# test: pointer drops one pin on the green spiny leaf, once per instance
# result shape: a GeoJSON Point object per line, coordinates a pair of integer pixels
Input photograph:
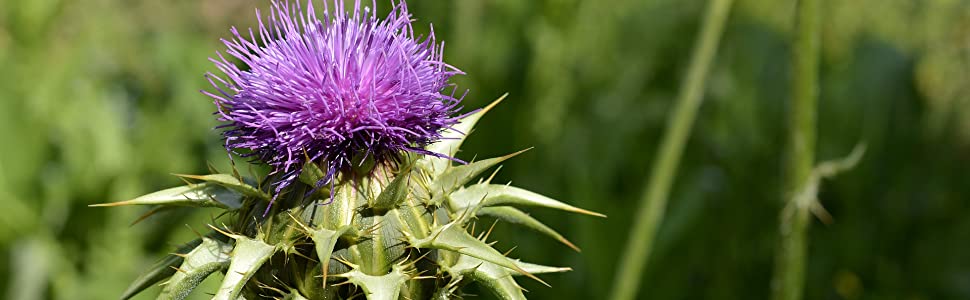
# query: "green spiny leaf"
{"type": "Point", "coordinates": [494, 277]}
{"type": "Point", "coordinates": [160, 270]}
{"type": "Point", "coordinates": [496, 194]}
{"type": "Point", "coordinates": [338, 212]}
{"type": "Point", "coordinates": [394, 193]}
{"type": "Point", "coordinates": [382, 287]}
{"type": "Point", "coordinates": [212, 255]}
{"type": "Point", "coordinates": [451, 141]}
{"type": "Point", "coordinates": [247, 257]}
{"type": "Point", "coordinates": [378, 251]}
{"type": "Point", "coordinates": [453, 238]}
{"type": "Point", "coordinates": [231, 182]}
{"type": "Point", "coordinates": [408, 218]}
{"type": "Point", "coordinates": [518, 217]}
{"type": "Point", "coordinates": [540, 269]}
{"type": "Point", "coordinates": [455, 177]}
{"type": "Point", "coordinates": [325, 240]}
{"type": "Point", "coordinates": [195, 195]}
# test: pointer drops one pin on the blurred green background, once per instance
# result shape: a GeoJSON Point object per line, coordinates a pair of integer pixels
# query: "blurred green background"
{"type": "Point", "coordinates": [99, 102]}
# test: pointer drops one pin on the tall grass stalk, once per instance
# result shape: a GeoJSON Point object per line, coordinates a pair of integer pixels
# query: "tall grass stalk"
{"type": "Point", "coordinates": [654, 202]}
{"type": "Point", "coordinates": [788, 280]}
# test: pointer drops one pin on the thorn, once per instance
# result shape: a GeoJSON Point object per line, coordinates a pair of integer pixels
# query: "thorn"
{"type": "Point", "coordinates": [111, 204]}
{"type": "Point", "coordinates": [305, 228]}
{"type": "Point", "coordinates": [297, 253]}
{"type": "Point", "coordinates": [477, 266]}
{"type": "Point", "coordinates": [465, 213]}
{"type": "Point", "coordinates": [423, 256]}
{"type": "Point", "coordinates": [235, 172]}
{"type": "Point", "coordinates": [570, 245]}
{"type": "Point", "coordinates": [494, 103]}
{"type": "Point", "coordinates": [234, 236]}
{"type": "Point", "coordinates": [211, 167]}
{"type": "Point", "coordinates": [373, 228]}
{"type": "Point", "coordinates": [268, 287]}
{"type": "Point", "coordinates": [490, 230]}
{"type": "Point", "coordinates": [197, 234]}
{"type": "Point", "coordinates": [435, 237]}
{"type": "Point", "coordinates": [343, 261]}
{"type": "Point", "coordinates": [490, 177]}
{"type": "Point", "coordinates": [346, 282]}
{"type": "Point", "coordinates": [527, 274]}
{"type": "Point", "coordinates": [148, 214]}
{"type": "Point", "coordinates": [510, 251]}
{"type": "Point", "coordinates": [186, 181]}
{"type": "Point", "coordinates": [184, 176]}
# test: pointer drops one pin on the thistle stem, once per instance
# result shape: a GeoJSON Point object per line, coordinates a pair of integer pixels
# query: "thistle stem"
{"type": "Point", "coordinates": [788, 280]}
{"type": "Point", "coordinates": [654, 202]}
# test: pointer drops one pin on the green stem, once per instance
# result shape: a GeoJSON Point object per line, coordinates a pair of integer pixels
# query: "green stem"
{"type": "Point", "coordinates": [789, 276]}
{"type": "Point", "coordinates": [653, 204]}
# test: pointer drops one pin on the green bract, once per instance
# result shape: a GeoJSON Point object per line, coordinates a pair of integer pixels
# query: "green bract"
{"type": "Point", "coordinates": [400, 232]}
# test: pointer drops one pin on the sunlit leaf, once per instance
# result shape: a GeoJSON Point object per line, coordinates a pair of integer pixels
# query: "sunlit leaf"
{"type": "Point", "coordinates": [518, 217]}
{"type": "Point", "coordinates": [210, 256]}
{"type": "Point", "coordinates": [195, 195]}
{"type": "Point", "coordinates": [497, 194]}
{"type": "Point", "coordinates": [453, 238]}
{"type": "Point", "coordinates": [247, 257]}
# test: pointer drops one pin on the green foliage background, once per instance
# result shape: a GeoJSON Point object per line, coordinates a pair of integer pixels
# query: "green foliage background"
{"type": "Point", "coordinates": [99, 102]}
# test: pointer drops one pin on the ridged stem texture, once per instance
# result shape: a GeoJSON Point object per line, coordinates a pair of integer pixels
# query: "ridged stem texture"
{"type": "Point", "coordinates": [654, 202]}
{"type": "Point", "coordinates": [788, 280]}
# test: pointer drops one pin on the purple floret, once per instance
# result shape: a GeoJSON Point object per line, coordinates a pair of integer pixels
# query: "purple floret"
{"type": "Point", "coordinates": [332, 90]}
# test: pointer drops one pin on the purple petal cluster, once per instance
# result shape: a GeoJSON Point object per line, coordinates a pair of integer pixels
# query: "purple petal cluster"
{"type": "Point", "coordinates": [332, 91]}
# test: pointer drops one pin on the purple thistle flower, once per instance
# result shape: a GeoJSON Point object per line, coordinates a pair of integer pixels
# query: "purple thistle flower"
{"type": "Point", "coordinates": [332, 91]}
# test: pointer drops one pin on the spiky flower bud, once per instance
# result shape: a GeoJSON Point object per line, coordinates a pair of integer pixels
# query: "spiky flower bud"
{"type": "Point", "coordinates": [316, 98]}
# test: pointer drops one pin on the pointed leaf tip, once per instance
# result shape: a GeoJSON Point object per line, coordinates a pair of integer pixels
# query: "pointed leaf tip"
{"type": "Point", "coordinates": [325, 240]}
{"type": "Point", "coordinates": [498, 195]}
{"type": "Point", "coordinates": [540, 269]}
{"type": "Point", "coordinates": [452, 139]}
{"type": "Point", "coordinates": [493, 104]}
{"type": "Point", "coordinates": [194, 195]}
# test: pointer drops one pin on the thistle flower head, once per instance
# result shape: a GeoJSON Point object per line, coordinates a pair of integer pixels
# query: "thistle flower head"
{"type": "Point", "coordinates": [332, 90]}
